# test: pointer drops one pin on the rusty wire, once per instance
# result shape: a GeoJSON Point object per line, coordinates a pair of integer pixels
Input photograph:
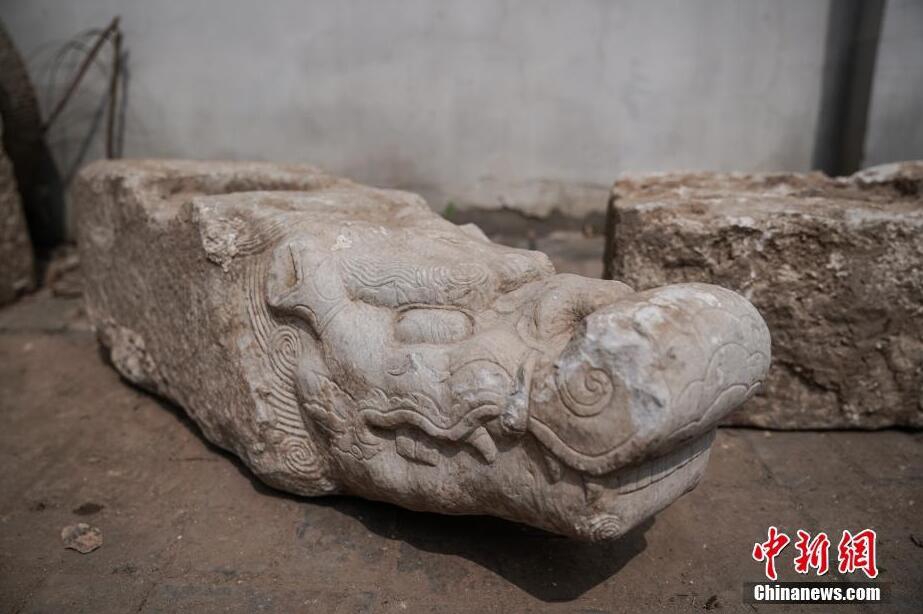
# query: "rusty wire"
{"type": "Point", "coordinates": [113, 34]}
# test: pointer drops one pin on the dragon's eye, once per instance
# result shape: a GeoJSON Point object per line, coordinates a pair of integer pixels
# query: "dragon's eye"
{"type": "Point", "coordinates": [423, 325]}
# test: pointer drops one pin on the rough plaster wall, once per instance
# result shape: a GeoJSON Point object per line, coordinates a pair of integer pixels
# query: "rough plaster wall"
{"type": "Point", "coordinates": [532, 103]}
{"type": "Point", "coordinates": [895, 129]}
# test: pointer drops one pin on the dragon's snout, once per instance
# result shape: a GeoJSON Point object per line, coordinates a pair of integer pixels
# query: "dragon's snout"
{"type": "Point", "coordinates": [646, 372]}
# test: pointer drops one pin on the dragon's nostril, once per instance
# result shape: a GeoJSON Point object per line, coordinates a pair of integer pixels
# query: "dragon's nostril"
{"type": "Point", "coordinates": [568, 299]}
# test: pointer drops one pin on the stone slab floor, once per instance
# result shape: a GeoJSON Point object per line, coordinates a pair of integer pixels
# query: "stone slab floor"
{"type": "Point", "coordinates": [186, 527]}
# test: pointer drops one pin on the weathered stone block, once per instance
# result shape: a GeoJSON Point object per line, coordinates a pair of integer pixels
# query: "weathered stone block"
{"type": "Point", "coordinates": [834, 265]}
{"type": "Point", "coordinates": [340, 338]}
{"type": "Point", "coordinates": [16, 260]}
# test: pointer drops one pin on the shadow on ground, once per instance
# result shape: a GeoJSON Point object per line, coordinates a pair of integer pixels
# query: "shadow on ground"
{"type": "Point", "coordinates": [547, 566]}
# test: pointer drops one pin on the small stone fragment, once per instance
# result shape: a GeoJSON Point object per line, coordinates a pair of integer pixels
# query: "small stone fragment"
{"type": "Point", "coordinates": [82, 537]}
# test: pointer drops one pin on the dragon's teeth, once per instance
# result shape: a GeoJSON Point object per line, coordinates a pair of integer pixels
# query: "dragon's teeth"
{"type": "Point", "coordinates": [481, 440]}
{"type": "Point", "coordinates": [554, 466]}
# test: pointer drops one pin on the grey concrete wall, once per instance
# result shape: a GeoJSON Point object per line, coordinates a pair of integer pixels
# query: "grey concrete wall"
{"type": "Point", "coordinates": [895, 129]}
{"type": "Point", "coordinates": [530, 103]}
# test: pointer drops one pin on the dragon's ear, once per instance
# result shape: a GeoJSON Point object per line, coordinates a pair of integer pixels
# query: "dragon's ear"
{"type": "Point", "coordinates": [285, 276]}
{"type": "Point", "coordinates": [286, 291]}
{"type": "Point", "coordinates": [302, 281]}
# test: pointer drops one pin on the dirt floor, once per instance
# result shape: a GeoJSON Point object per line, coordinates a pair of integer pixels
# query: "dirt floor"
{"type": "Point", "coordinates": [186, 528]}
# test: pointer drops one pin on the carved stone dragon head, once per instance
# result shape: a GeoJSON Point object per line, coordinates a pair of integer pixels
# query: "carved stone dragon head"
{"type": "Point", "coordinates": [443, 366]}
{"type": "Point", "coordinates": [340, 338]}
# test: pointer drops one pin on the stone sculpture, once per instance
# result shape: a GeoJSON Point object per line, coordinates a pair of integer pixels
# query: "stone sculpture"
{"type": "Point", "coordinates": [345, 339]}
{"type": "Point", "coordinates": [835, 265]}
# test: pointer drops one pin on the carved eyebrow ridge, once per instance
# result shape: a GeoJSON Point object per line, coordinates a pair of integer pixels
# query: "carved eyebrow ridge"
{"type": "Point", "coordinates": [398, 283]}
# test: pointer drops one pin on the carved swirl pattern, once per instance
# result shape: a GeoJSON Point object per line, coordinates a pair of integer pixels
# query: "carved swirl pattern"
{"type": "Point", "coordinates": [284, 348]}
{"type": "Point", "coordinates": [718, 326]}
{"type": "Point", "coordinates": [328, 407]}
{"type": "Point", "coordinates": [465, 274]}
{"type": "Point", "coordinates": [300, 458]}
{"type": "Point", "coordinates": [584, 390]}
{"type": "Point", "coordinates": [280, 346]}
{"type": "Point", "coordinates": [257, 241]}
{"type": "Point", "coordinates": [604, 526]}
